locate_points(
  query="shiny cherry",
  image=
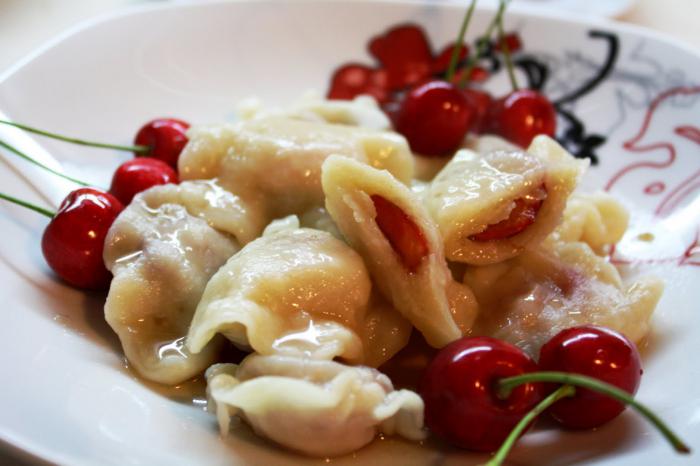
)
(596, 352)
(481, 102)
(166, 137)
(136, 175)
(462, 404)
(434, 117)
(522, 115)
(405, 237)
(73, 241)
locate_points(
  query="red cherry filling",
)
(434, 117)
(523, 215)
(596, 352)
(405, 237)
(138, 175)
(73, 241)
(166, 137)
(522, 115)
(461, 399)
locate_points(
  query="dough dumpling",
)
(418, 284)
(361, 111)
(292, 291)
(491, 207)
(596, 219)
(274, 163)
(529, 299)
(162, 251)
(319, 408)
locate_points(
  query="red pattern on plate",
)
(679, 191)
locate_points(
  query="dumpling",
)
(221, 209)
(361, 111)
(274, 163)
(529, 299)
(491, 207)
(319, 408)
(294, 291)
(162, 251)
(384, 221)
(596, 219)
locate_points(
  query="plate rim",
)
(17, 447)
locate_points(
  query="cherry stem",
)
(500, 456)
(454, 59)
(506, 385)
(28, 205)
(481, 44)
(82, 142)
(506, 53)
(41, 165)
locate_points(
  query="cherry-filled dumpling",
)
(532, 297)
(386, 223)
(320, 408)
(274, 163)
(162, 250)
(492, 206)
(596, 219)
(361, 111)
(298, 291)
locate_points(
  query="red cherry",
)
(405, 237)
(459, 390)
(442, 61)
(73, 241)
(166, 138)
(481, 102)
(523, 215)
(405, 54)
(136, 175)
(434, 118)
(522, 115)
(513, 42)
(349, 81)
(596, 352)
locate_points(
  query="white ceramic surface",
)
(67, 397)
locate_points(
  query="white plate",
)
(67, 397)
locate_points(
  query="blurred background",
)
(26, 24)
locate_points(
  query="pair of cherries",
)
(73, 241)
(436, 116)
(478, 389)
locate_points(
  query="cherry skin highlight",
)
(139, 174)
(522, 115)
(596, 352)
(73, 241)
(166, 137)
(434, 117)
(459, 389)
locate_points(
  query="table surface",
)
(26, 24)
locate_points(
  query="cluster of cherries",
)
(435, 114)
(73, 241)
(481, 393)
